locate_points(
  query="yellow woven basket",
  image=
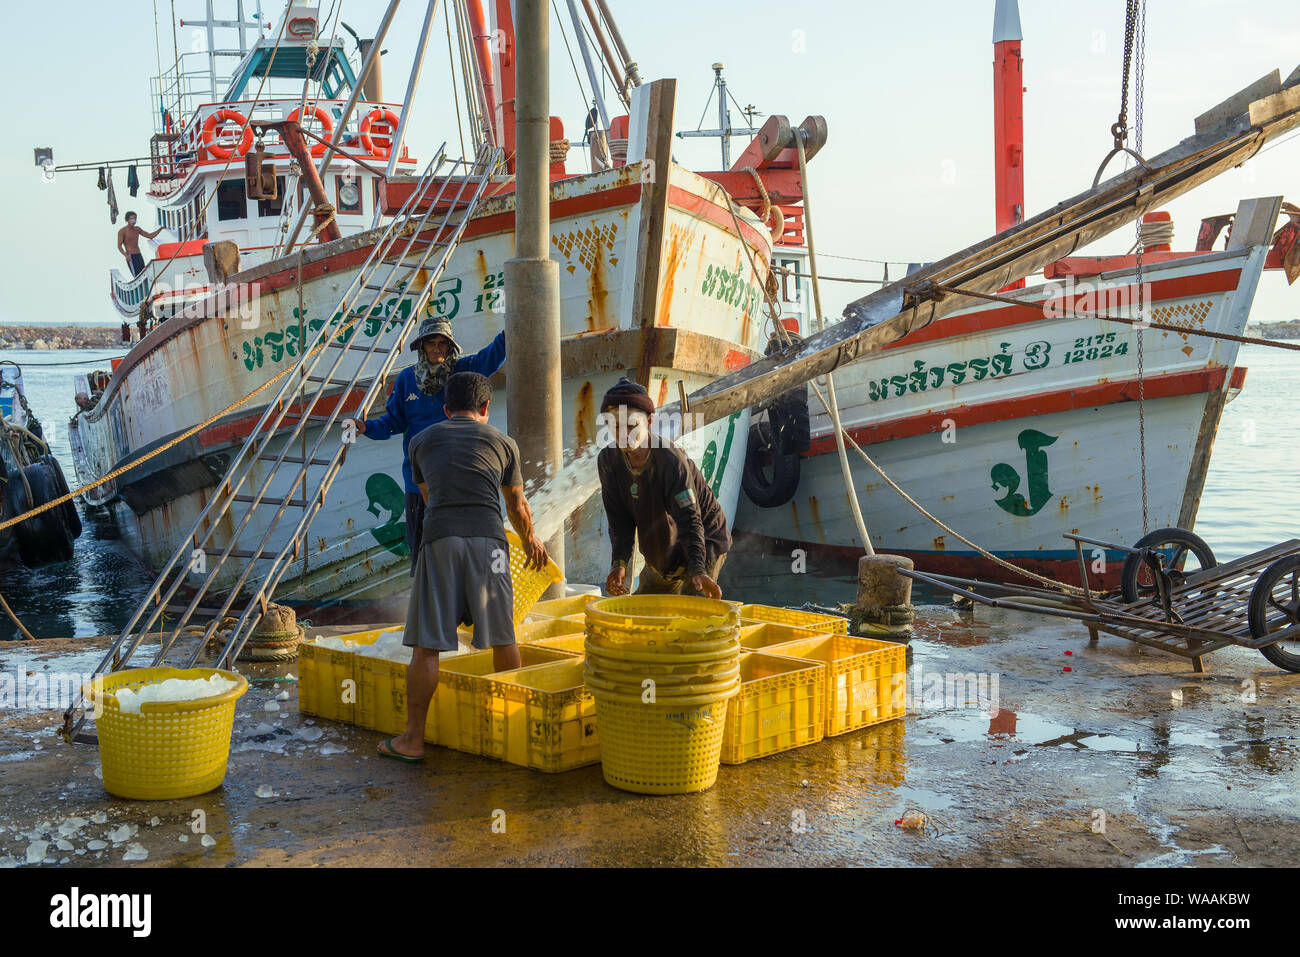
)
(662, 624)
(170, 749)
(671, 747)
(529, 583)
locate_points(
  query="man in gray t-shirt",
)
(462, 571)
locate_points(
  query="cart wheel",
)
(1174, 544)
(1275, 605)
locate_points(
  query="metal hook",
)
(1111, 155)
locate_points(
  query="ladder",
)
(416, 244)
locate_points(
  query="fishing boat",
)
(1016, 421)
(31, 476)
(655, 283)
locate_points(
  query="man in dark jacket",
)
(653, 491)
(416, 403)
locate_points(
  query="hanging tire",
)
(1135, 579)
(1272, 609)
(70, 515)
(764, 490)
(44, 538)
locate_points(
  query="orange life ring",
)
(215, 149)
(326, 125)
(775, 222)
(379, 114)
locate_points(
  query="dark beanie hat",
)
(628, 393)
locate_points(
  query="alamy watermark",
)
(48, 690)
(1108, 298)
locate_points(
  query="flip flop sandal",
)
(386, 750)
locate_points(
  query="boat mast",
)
(1008, 116)
(480, 39)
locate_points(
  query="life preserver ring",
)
(326, 127)
(215, 149)
(379, 114)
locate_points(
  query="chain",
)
(1120, 129)
(1137, 26)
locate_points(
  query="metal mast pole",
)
(1008, 119)
(532, 277)
(724, 122)
(371, 55)
(593, 77)
(417, 65)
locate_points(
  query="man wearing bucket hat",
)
(416, 402)
(653, 491)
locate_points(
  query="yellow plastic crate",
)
(541, 717)
(760, 636)
(381, 694)
(781, 705)
(861, 675)
(528, 583)
(809, 620)
(561, 607)
(458, 702)
(327, 679)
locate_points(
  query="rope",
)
(762, 191)
(833, 407)
(1158, 233)
(618, 151)
(14, 618)
(559, 151)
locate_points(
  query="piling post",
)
(884, 606)
(532, 278)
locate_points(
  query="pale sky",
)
(906, 89)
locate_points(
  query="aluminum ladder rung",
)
(294, 459)
(243, 553)
(272, 500)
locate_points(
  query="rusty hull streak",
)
(584, 423)
(815, 508)
(667, 279)
(597, 314)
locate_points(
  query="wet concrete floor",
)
(1126, 759)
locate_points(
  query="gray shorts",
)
(455, 579)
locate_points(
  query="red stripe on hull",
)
(940, 563)
(1023, 407)
(1201, 284)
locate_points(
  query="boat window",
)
(347, 194)
(790, 282)
(273, 207)
(232, 203)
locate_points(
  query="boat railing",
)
(129, 291)
(190, 142)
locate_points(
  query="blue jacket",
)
(409, 411)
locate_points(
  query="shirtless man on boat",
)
(128, 243)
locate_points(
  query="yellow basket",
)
(781, 705)
(171, 749)
(670, 686)
(760, 636)
(528, 583)
(810, 620)
(457, 708)
(327, 679)
(666, 670)
(634, 619)
(865, 678)
(662, 748)
(541, 717)
(561, 607)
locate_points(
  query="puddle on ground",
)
(1011, 727)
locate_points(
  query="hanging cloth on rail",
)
(112, 198)
(132, 180)
(102, 184)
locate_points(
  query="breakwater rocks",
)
(60, 337)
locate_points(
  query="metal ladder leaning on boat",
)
(426, 240)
